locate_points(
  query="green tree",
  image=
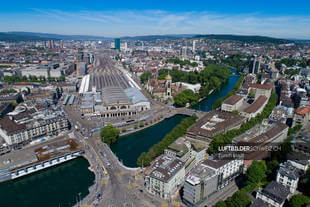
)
(186, 96)
(144, 159)
(272, 167)
(141, 124)
(256, 173)
(304, 183)
(299, 200)
(221, 204)
(239, 199)
(109, 134)
(145, 76)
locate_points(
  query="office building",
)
(255, 66)
(117, 44)
(199, 184)
(81, 68)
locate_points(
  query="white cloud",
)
(125, 22)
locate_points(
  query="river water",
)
(57, 186)
(60, 186)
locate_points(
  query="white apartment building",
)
(225, 169)
(166, 176)
(288, 175)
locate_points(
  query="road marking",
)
(164, 205)
(176, 204)
(121, 174)
(104, 181)
(134, 184)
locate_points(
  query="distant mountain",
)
(154, 37)
(300, 40)
(246, 38)
(61, 37)
(20, 37)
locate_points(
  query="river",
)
(52, 187)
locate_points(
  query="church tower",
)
(168, 86)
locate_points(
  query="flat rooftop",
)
(214, 122)
(260, 133)
(37, 153)
(108, 78)
(114, 95)
(199, 173)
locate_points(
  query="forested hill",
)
(247, 39)
(19, 38)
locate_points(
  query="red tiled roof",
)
(303, 110)
(232, 99)
(261, 86)
(256, 105)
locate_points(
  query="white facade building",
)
(166, 176)
(288, 175)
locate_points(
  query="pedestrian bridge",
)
(189, 112)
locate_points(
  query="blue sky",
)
(286, 19)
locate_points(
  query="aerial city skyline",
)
(105, 18)
(144, 104)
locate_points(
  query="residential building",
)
(259, 203)
(288, 175)
(165, 176)
(302, 115)
(281, 114)
(274, 194)
(301, 143)
(302, 163)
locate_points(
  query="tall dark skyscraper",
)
(254, 66)
(117, 44)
